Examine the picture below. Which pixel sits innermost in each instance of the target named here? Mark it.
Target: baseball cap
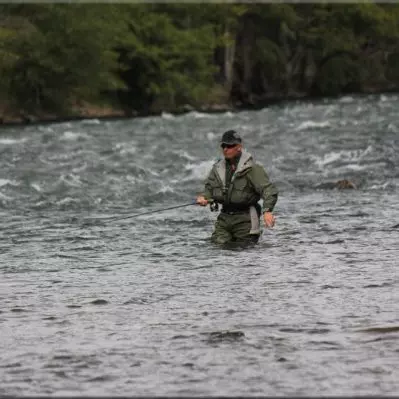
(230, 137)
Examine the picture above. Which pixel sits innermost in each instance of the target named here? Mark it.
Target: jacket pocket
(215, 188)
(241, 191)
(240, 184)
(217, 193)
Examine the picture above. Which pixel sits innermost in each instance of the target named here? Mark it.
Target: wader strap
(255, 225)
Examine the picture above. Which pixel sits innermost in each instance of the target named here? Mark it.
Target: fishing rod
(212, 203)
(157, 210)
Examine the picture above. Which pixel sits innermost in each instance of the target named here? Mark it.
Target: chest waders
(235, 223)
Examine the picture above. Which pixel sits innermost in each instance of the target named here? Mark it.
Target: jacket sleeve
(208, 187)
(264, 187)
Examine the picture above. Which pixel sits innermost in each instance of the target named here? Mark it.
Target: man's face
(230, 151)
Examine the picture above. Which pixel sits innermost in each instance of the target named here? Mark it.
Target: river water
(148, 306)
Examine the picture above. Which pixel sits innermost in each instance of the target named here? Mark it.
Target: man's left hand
(269, 219)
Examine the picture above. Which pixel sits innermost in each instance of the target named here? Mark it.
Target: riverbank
(12, 117)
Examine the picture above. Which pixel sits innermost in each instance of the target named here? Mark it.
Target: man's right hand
(201, 200)
(269, 219)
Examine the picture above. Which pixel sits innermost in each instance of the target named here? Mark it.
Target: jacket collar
(246, 162)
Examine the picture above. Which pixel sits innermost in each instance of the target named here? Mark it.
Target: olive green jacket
(249, 184)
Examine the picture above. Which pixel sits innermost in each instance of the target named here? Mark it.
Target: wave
(167, 116)
(184, 154)
(199, 115)
(327, 158)
(353, 167)
(7, 141)
(126, 148)
(312, 125)
(6, 182)
(165, 188)
(36, 187)
(199, 171)
(90, 121)
(383, 186)
(344, 156)
(5, 197)
(72, 136)
(346, 99)
(211, 136)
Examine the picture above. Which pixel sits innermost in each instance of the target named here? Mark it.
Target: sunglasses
(228, 145)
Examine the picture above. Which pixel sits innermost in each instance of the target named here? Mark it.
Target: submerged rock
(340, 185)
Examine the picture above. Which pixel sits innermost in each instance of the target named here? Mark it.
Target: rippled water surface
(149, 306)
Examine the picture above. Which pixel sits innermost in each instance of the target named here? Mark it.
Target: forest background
(60, 61)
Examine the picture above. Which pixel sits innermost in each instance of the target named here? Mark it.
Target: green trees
(351, 44)
(152, 57)
(58, 53)
(163, 63)
(322, 49)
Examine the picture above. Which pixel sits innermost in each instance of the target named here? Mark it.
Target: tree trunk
(308, 72)
(229, 54)
(246, 51)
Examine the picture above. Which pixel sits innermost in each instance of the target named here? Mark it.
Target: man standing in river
(238, 183)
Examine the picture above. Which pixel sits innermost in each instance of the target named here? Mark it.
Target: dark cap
(230, 137)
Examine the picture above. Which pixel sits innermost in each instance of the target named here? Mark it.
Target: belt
(235, 210)
(232, 211)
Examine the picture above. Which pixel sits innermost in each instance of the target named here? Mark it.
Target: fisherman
(238, 183)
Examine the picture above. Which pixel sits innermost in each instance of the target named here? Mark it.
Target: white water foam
(198, 115)
(133, 180)
(167, 116)
(72, 136)
(199, 171)
(330, 110)
(65, 125)
(346, 99)
(184, 154)
(7, 141)
(66, 201)
(211, 136)
(4, 197)
(392, 128)
(165, 188)
(344, 155)
(312, 125)
(79, 169)
(354, 167)
(71, 180)
(126, 148)
(384, 98)
(36, 187)
(6, 182)
(382, 186)
(46, 129)
(90, 121)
